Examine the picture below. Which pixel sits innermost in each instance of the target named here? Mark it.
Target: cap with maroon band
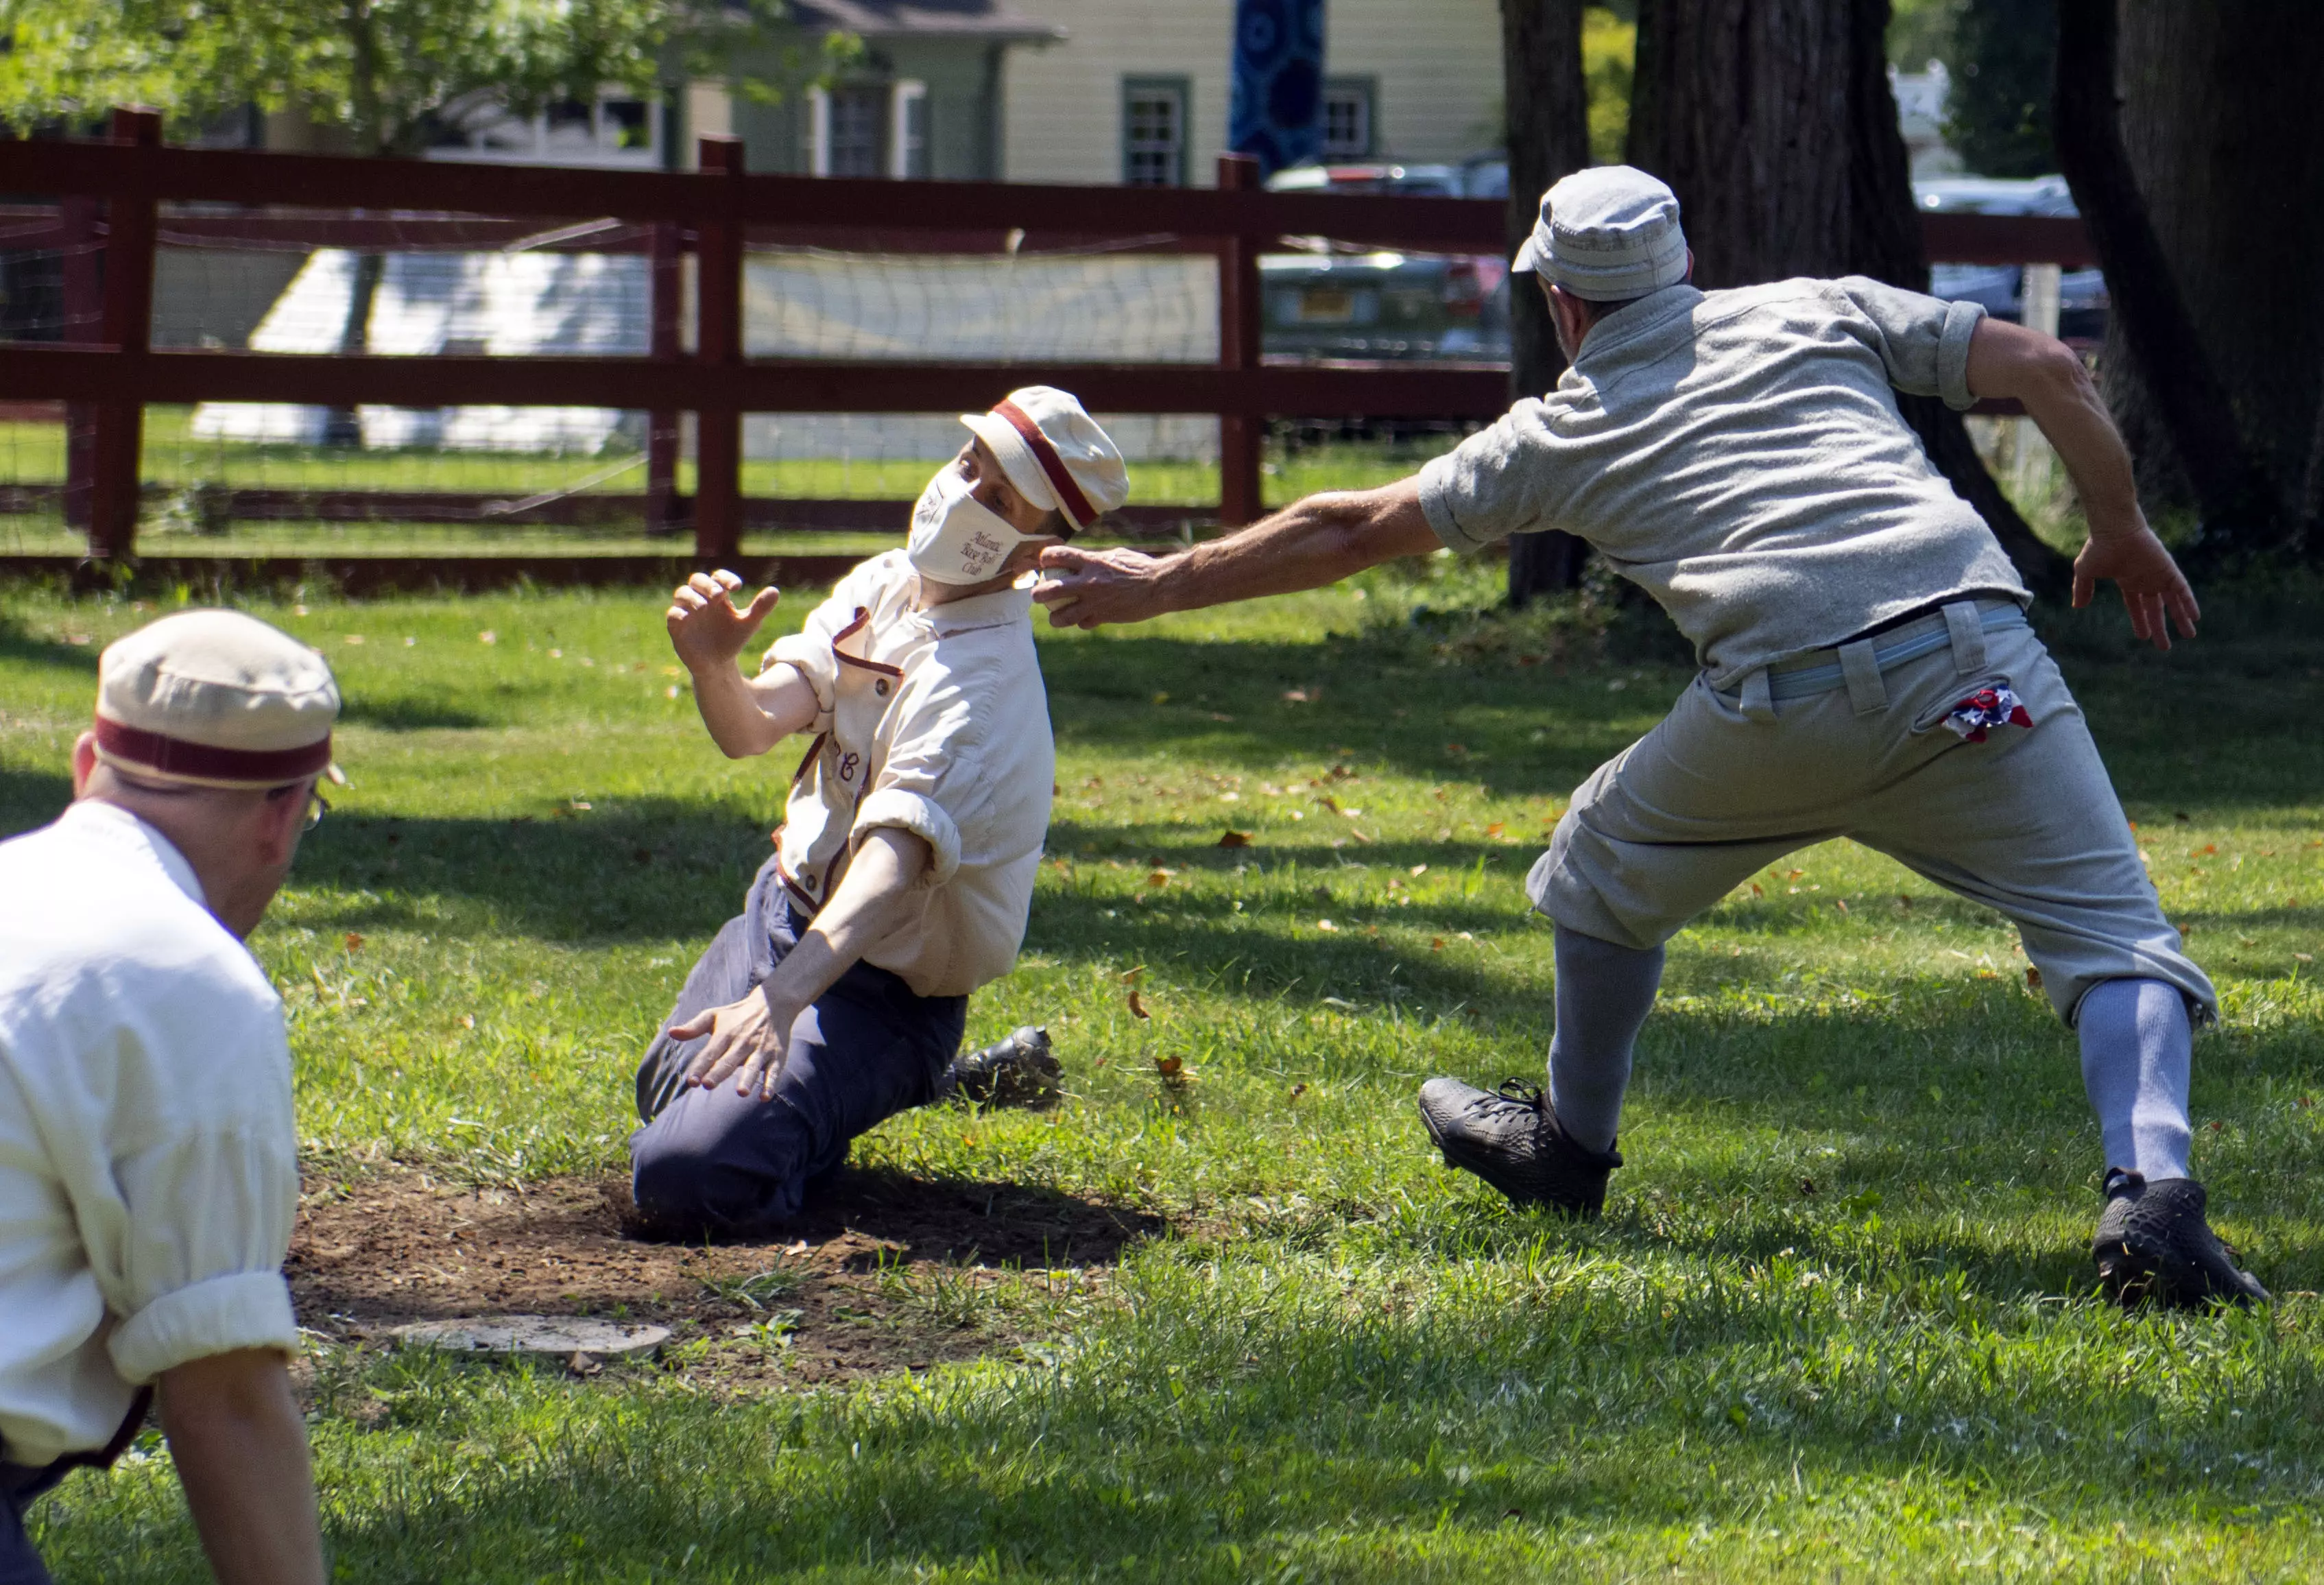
(215, 698)
(1055, 454)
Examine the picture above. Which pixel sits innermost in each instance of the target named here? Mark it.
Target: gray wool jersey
(1739, 455)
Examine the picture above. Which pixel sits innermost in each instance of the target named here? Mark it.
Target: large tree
(1549, 136)
(2192, 138)
(1773, 122)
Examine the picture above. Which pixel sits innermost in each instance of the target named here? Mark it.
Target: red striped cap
(1070, 500)
(176, 759)
(215, 698)
(1055, 453)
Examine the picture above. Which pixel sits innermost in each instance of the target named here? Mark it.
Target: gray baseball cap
(1607, 234)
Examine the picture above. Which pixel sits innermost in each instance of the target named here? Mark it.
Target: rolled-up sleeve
(902, 808)
(938, 779)
(809, 651)
(1492, 485)
(1924, 341)
(205, 1190)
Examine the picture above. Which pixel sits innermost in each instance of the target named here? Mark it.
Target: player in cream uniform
(903, 872)
(149, 1162)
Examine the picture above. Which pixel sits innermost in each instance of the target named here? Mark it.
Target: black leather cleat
(2153, 1244)
(1512, 1140)
(1021, 1071)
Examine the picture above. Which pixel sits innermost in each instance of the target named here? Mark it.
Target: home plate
(559, 1335)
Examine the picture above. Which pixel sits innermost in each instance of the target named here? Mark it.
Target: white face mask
(957, 538)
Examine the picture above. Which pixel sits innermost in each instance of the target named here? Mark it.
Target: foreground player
(149, 1163)
(903, 872)
(1868, 671)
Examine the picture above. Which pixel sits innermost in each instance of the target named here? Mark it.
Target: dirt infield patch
(883, 1271)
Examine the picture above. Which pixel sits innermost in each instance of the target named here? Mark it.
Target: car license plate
(1326, 304)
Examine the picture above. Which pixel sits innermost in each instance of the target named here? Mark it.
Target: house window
(613, 129)
(1154, 130)
(859, 131)
(1347, 118)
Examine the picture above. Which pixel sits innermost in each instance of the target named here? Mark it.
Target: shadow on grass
(406, 713)
(50, 654)
(28, 798)
(952, 1221)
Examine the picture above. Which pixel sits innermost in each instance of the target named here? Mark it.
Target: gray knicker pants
(2025, 822)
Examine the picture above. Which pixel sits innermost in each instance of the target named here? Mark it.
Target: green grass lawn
(172, 459)
(1835, 1324)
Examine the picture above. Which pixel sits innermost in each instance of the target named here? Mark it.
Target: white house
(1138, 92)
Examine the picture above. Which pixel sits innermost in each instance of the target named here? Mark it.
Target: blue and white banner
(1277, 111)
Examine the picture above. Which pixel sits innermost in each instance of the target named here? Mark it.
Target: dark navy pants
(19, 1563)
(866, 1050)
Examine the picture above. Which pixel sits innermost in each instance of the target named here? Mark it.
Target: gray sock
(1604, 992)
(2135, 1048)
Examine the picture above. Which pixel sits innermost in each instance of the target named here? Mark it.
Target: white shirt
(149, 1169)
(935, 721)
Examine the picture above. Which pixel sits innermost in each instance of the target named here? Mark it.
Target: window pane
(1153, 135)
(857, 117)
(1347, 121)
(625, 123)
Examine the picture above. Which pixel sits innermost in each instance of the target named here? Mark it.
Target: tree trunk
(1774, 123)
(2191, 135)
(1549, 136)
(342, 426)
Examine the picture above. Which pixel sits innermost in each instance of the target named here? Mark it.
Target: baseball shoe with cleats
(2152, 1243)
(1021, 1071)
(1512, 1139)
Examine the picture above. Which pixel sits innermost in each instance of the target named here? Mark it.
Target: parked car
(1333, 299)
(2000, 289)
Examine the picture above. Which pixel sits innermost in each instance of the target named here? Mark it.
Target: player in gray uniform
(1868, 671)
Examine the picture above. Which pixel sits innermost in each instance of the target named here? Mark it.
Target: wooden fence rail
(107, 196)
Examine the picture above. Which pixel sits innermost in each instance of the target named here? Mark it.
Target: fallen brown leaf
(1137, 1008)
(1235, 839)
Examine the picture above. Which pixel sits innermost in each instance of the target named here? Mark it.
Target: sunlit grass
(1835, 1322)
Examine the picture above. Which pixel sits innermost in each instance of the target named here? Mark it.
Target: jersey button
(880, 687)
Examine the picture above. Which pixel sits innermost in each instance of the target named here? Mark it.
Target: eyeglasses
(318, 806)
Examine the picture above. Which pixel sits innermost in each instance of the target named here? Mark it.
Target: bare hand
(749, 1040)
(705, 627)
(1094, 587)
(2153, 590)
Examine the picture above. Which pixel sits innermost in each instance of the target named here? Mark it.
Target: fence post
(128, 329)
(1239, 312)
(664, 286)
(84, 326)
(718, 348)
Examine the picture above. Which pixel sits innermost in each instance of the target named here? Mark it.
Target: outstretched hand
(706, 628)
(749, 1040)
(1089, 587)
(2153, 590)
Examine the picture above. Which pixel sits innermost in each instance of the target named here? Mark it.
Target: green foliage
(1920, 32)
(2002, 54)
(1609, 51)
(387, 73)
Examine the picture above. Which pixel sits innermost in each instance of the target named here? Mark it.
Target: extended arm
(1309, 544)
(240, 1445)
(745, 715)
(747, 1038)
(2059, 395)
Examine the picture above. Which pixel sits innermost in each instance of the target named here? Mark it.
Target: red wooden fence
(714, 213)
